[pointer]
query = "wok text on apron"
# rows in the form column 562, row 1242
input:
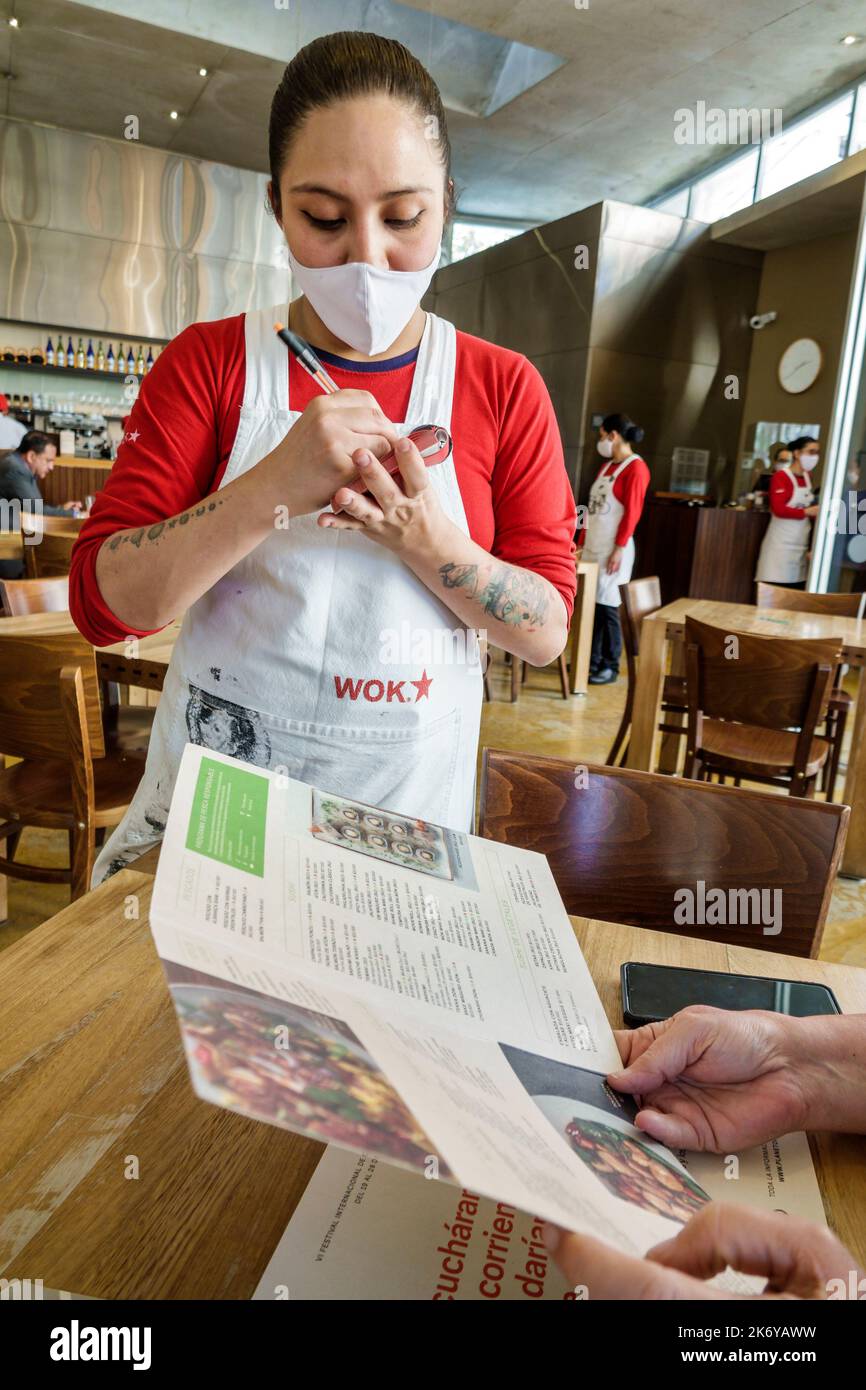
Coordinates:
column 783, row 550
column 288, row 661
column 605, row 514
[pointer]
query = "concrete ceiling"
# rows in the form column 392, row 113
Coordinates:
column 599, row 124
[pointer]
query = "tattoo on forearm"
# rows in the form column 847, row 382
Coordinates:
column 514, row 596
column 153, row 533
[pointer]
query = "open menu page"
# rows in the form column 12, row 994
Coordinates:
column 404, row 991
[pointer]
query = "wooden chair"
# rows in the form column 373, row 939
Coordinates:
column 22, row 596
column 638, row 600
column 51, row 555
column 518, row 675
column 50, row 718
column 622, row 845
column 754, row 708
column 830, row 605
column 127, row 728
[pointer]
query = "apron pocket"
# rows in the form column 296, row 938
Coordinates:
column 410, row 770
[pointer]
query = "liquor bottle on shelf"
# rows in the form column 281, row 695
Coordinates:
column 80, row 356
column 148, row 366
column 90, row 359
column 130, row 362
column 139, row 362
column 109, row 360
column 70, row 354
column 100, row 358
column 49, row 353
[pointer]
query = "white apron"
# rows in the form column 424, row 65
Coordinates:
column 602, row 524
column 322, row 654
column 783, row 550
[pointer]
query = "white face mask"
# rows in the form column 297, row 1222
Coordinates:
column 605, row 448
column 363, row 306
column 809, row 461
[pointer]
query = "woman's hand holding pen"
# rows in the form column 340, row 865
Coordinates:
column 316, row 457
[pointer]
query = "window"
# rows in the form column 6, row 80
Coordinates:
column 726, row 190
column 810, row 145
column 677, row 203
column 858, row 124
column 469, row 237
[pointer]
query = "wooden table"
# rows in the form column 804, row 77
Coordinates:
column 667, row 625
column 581, row 626
column 92, row 1074
column 138, row 661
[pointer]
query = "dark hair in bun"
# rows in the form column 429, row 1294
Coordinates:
column 800, row 442
column 630, row 432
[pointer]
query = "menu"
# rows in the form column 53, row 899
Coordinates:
column 412, row 994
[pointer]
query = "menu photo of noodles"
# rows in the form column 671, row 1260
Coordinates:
column 597, row 1124
column 292, row 1067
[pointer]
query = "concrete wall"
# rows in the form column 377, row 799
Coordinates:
column 652, row 326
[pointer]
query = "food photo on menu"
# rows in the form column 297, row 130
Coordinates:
column 288, row 1066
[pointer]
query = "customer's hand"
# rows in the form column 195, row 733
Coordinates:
column 799, row 1259
column 316, row 456
column 714, row 1079
column 813, row 510
column 72, row 506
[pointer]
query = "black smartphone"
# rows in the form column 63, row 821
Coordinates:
column 654, row 992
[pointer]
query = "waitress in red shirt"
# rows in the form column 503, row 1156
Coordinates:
column 326, row 633
column 792, row 506
column 615, row 503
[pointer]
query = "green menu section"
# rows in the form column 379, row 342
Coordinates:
column 229, row 815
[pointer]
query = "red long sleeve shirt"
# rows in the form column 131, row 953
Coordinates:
column 630, row 489
column 180, row 432
column 781, row 492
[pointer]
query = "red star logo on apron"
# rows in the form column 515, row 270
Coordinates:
column 423, row 685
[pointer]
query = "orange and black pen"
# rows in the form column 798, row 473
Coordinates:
column 301, row 350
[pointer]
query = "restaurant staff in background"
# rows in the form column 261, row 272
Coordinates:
column 784, row 551
column 20, row 474
column 11, row 430
column 780, row 457
column 615, row 503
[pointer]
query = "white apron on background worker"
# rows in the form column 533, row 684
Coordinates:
column 783, row 555
column 300, row 624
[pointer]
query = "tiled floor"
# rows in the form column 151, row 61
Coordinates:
column 540, row 722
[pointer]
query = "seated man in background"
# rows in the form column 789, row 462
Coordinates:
column 20, row 474
column 720, row 1080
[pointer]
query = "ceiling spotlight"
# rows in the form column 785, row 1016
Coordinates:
column 849, row 38
column 202, row 72
column 14, row 22
column 173, row 115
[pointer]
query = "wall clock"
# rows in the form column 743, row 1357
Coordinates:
column 800, row 365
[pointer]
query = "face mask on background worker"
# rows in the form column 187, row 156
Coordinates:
column 605, row 448
column 362, row 305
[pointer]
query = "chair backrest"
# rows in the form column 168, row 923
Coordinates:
column 32, row 718
column 767, row 681
column 639, row 598
column 22, row 596
column 798, row 601
column 68, row 525
column 51, row 555
column 644, row 849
